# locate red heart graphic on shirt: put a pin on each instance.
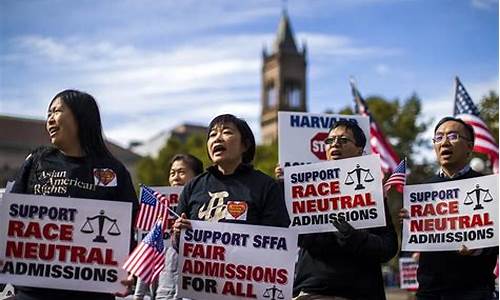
(237, 208)
(104, 176)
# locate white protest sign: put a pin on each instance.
(351, 189)
(408, 273)
(236, 261)
(64, 243)
(446, 215)
(301, 136)
(173, 194)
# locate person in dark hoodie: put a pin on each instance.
(231, 182)
(78, 165)
(463, 274)
(345, 264)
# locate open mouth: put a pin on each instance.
(53, 130)
(445, 153)
(335, 153)
(218, 149)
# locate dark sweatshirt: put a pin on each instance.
(49, 172)
(247, 196)
(332, 265)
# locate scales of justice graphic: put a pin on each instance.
(273, 293)
(368, 177)
(477, 194)
(101, 219)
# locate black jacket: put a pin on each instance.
(448, 271)
(247, 196)
(332, 265)
(48, 172)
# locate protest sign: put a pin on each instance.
(319, 193)
(444, 216)
(173, 194)
(64, 243)
(408, 273)
(301, 136)
(236, 261)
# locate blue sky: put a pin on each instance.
(155, 64)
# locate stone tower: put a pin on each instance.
(283, 80)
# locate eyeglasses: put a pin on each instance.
(451, 136)
(338, 139)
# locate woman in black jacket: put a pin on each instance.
(79, 165)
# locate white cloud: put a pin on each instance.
(144, 91)
(485, 4)
(382, 69)
(339, 46)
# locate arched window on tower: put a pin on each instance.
(271, 96)
(293, 92)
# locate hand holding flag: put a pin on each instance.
(147, 259)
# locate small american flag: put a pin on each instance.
(467, 111)
(398, 178)
(147, 259)
(153, 206)
(378, 142)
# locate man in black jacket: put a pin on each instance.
(344, 264)
(462, 274)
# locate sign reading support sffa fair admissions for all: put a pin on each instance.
(301, 136)
(320, 193)
(444, 216)
(236, 261)
(64, 243)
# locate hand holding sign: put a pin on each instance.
(181, 223)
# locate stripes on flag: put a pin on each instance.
(378, 142)
(148, 258)
(465, 109)
(153, 206)
(398, 178)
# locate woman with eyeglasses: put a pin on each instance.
(77, 165)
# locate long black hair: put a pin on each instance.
(246, 134)
(88, 119)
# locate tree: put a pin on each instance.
(488, 108)
(400, 122)
(266, 158)
(155, 171)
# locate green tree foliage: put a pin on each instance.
(154, 171)
(401, 124)
(266, 158)
(488, 107)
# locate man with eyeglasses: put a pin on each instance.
(344, 264)
(461, 274)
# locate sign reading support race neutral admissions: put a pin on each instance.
(236, 261)
(446, 215)
(301, 136)
(64, 243)
(319, 193)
